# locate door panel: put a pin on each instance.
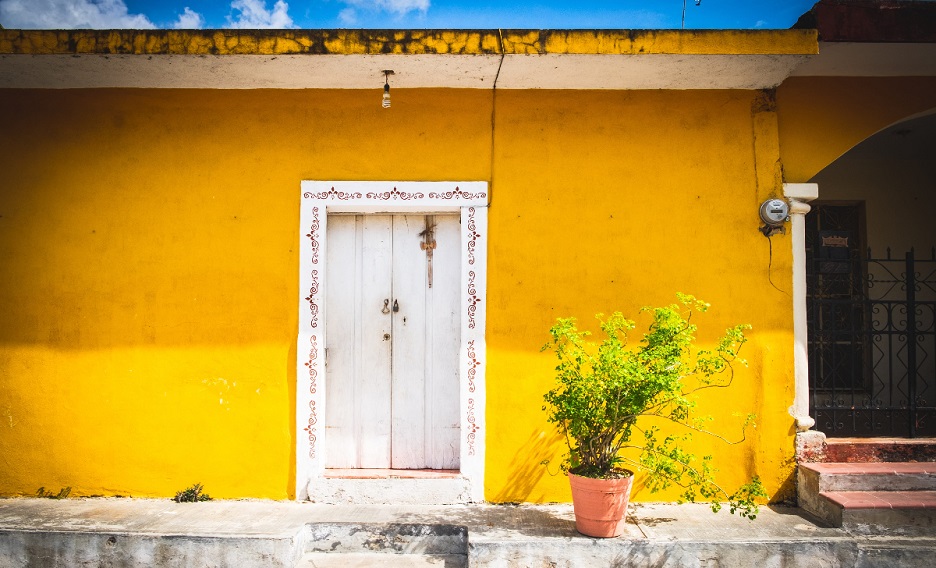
(444, 340)
(357, 367)
(343, 288)
(373, 397)
(392, 377)
(409, 345)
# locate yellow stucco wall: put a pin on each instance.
(149, 296)
(605, 201)
(149, 300)
(821, 118)
(398, 42)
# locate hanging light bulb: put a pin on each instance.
(386, 89)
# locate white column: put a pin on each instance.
(800, 194)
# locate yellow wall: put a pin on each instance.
(150, 283)
(614, 200)
(149, 300)
(821, 118)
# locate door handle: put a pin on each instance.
(386, 306)
(396, 306)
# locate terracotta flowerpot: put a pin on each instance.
(600, 504)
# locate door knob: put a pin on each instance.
(386, 337)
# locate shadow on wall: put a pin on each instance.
(527, 468)
(786, 492)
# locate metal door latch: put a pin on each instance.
(428, 244)
(386, 306)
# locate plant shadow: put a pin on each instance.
(532, 460)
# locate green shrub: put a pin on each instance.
(62, 494)
(192, 495)
(607, 392)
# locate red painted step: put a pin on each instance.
(872, 485)
(871, 497)
(882, 512)
(882, 499)
(876, 476)
(863, 450)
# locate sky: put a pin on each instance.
(439, 14)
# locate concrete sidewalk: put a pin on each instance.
(145, 532)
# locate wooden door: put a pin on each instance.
(392, 341)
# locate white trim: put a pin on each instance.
(573, 71)
(320, 198)
(800, 194)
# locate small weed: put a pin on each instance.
(62, 494)
(192, 495)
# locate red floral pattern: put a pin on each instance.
(395, 194)
(313, 235)
(473, 296)
(458, 193)
(312, 365)
(332, 194)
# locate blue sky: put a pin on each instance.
(484, 14)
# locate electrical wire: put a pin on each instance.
(500, 38)
(770, 265)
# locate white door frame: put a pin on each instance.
(319, 198)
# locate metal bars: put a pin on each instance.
(872, 341)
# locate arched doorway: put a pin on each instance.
(871, 287)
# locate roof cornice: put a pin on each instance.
(355, 59)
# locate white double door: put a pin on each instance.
(391, 296)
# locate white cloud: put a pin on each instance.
(69, 14)
(398, 7)
(189, 20)
(348, 16)
(254, 15)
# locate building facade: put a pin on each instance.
(201, 230)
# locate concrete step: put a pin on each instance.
(863, 450)
(870, 496)
(388, 538)
(159, 533)
(894, 512)
(402, 545)
(901, 476)
(371, 559)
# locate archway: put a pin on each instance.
(871, 286)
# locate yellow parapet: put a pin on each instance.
(409, 42)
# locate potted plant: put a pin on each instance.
(610, 399)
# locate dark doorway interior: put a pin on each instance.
(872, 339)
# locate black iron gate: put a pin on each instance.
(872, 338)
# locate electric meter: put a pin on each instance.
(774, 212)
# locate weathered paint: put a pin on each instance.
(821, 118)
(408, 42)
(148, 237)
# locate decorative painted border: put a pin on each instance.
(320, 198)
